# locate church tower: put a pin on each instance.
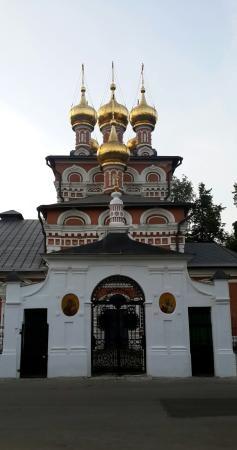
(143, 119)
(83, 119)
(85, 178)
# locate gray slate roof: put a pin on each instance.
(210, 254)
(21, 245)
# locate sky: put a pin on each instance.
(189, 50)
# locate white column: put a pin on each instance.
(224, 358)
(9, 359)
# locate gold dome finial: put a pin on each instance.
(142, 74)
(82, 75)
(83, 114)
(143, 114)
(105, 112)
(113, 85)
(83, 89)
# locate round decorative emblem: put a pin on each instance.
(167, 303)
(70, 304)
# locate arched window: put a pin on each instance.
(153, 177)
(74, 217)
(157, 215)
(98, 177)
(74, 170)
(128, 178)
(74, 177)
(144, 137)
(74, 221)
(83, 137)
(155, 219)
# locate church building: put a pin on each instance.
(101, 283)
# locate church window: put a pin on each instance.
(98, 177)
(74, 177)
(128, 178)
(153, 177)
(74, 221)
(155, 219)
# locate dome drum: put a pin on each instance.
(119, 131)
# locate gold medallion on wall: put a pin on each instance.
(167, 303)
(70, 304)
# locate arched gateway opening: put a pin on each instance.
(118, 327)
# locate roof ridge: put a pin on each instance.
(231, 252)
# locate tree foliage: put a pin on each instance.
(235, 196)
(206, 223)
(231, 240)
(182, 190)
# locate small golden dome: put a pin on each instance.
(94, 144)
(113, 151)
(143, 114)
(132, 143)
(83, 114)
(113, 109)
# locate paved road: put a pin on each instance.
(118, 414)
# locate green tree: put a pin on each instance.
(235, 195)
(206, 223)
(182, 190)
(231, 240)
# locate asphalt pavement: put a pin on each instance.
(125, 413)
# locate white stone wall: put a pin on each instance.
(167, 336)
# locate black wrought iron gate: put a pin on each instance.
(118, 333)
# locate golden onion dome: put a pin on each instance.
(113, 151)
(83, 114)
(94, 145)
(113, 109)
(143, 114)
(132, 143)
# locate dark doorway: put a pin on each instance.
(118, 327)
(34, 344)
(201, 345)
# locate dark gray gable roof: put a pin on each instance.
(210, 254)
(21, 245)
(118, 244)
(11, 215)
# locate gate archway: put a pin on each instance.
(118, 326)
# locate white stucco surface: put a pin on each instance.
(167, 335)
